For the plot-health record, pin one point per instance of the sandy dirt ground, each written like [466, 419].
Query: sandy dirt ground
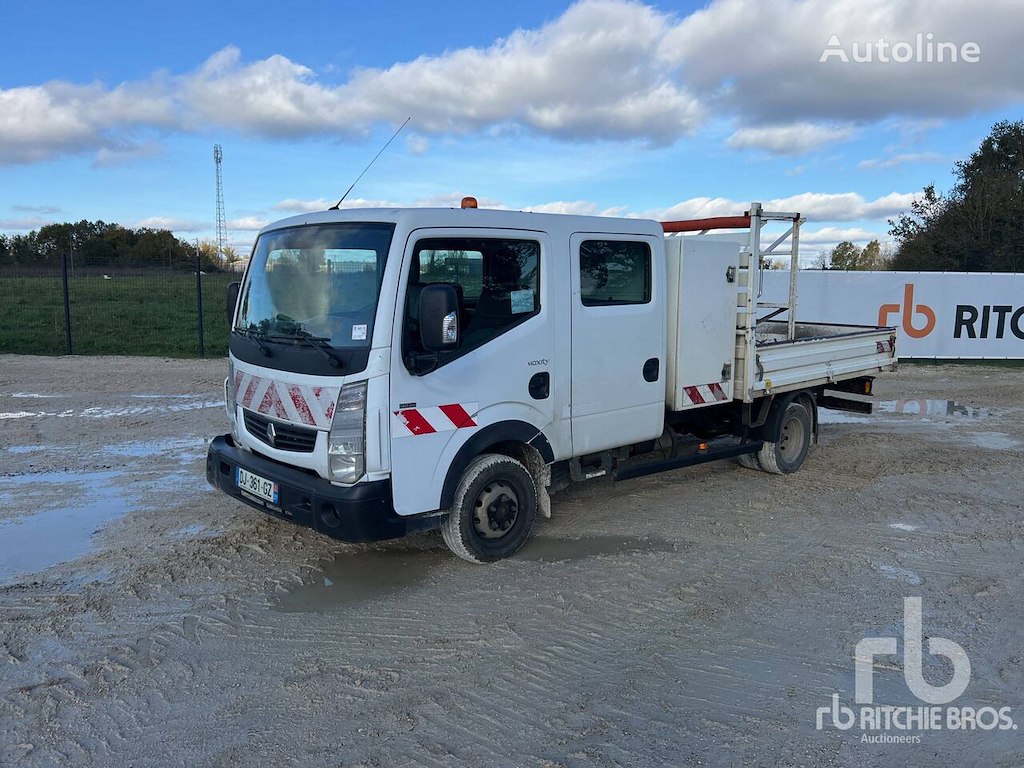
[698, 617]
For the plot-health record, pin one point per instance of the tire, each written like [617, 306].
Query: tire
[748, 460]
[493, 511]
[795, 432]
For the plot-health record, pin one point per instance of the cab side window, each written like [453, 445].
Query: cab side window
[497, 281]
[614, 272]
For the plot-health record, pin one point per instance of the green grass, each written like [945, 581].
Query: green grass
[125, 315]
[147, 315]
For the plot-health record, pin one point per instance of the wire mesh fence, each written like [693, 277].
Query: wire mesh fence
[79, 306]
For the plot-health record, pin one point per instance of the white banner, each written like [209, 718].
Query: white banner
[936, 314]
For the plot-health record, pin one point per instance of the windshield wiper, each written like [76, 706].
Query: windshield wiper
[321, 344]
[256, 336]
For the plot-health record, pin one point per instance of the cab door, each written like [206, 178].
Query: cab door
[618, 341]
[503, 369]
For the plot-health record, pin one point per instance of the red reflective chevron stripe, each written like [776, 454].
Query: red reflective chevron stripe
[457, 415]
[717, 391]
[301, 406]
[415, 422]
[694, 394]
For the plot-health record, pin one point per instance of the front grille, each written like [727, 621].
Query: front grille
[287, 437]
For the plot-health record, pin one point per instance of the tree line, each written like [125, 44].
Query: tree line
[977, 226]
[99, 244]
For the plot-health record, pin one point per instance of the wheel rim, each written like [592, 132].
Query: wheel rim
[496, 510]
[791, 440]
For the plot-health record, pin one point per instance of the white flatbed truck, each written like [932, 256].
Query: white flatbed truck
[402, 370]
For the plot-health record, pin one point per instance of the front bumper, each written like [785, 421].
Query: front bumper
[361, 512]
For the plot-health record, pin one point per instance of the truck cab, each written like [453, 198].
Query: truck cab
[348, 417]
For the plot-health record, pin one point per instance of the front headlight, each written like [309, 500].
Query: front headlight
[229, 400]
[347, 439]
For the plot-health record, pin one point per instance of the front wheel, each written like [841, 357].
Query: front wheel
[788, 453]
[493, 511]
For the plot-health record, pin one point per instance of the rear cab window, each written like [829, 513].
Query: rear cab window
[614, 272]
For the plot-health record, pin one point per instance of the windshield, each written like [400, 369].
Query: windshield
[318, 281]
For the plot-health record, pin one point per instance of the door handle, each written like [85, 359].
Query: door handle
[540, 386]
[652, 369]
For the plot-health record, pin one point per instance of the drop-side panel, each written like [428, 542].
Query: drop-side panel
[833, 353]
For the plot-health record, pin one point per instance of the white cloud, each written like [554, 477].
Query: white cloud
[417, 145]
[274, 97]
[590, 74]
[109, 157]
[24, 224]
[41, 122]
[819, 206]
[304, 206]
[36, 208]
[447, 200]
[904, 159]
[247, 223]
[814, 206]
[831, 236]
[577, 208]
[292, 205]
[615, 70]
[761, 60]
[167, 222]
[794, 139]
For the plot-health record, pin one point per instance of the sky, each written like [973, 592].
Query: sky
[664, 109]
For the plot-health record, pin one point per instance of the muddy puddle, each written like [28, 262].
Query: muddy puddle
[913, 409]
[358, 577]
[923, 413]
[52, 517]
[39, 539]
[896, 573]
[185, 449]
[119, 411]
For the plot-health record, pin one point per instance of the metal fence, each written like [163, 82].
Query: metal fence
[92, 309]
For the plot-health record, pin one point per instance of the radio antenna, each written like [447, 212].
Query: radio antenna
[393, 137]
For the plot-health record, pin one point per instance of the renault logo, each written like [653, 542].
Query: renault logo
[271, 433]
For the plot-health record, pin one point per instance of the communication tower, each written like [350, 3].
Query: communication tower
[222, 230]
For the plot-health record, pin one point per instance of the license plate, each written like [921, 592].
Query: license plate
[256, 485]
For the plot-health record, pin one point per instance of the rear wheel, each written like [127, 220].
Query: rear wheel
[748, 460]
[493, 511]
[788, 453]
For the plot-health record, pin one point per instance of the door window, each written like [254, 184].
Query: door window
[497, 281]
[614, 272]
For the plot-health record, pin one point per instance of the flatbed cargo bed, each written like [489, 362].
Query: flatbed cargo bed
[820, 353]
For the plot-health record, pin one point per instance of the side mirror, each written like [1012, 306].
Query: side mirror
[231, 300]
[439, 317]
